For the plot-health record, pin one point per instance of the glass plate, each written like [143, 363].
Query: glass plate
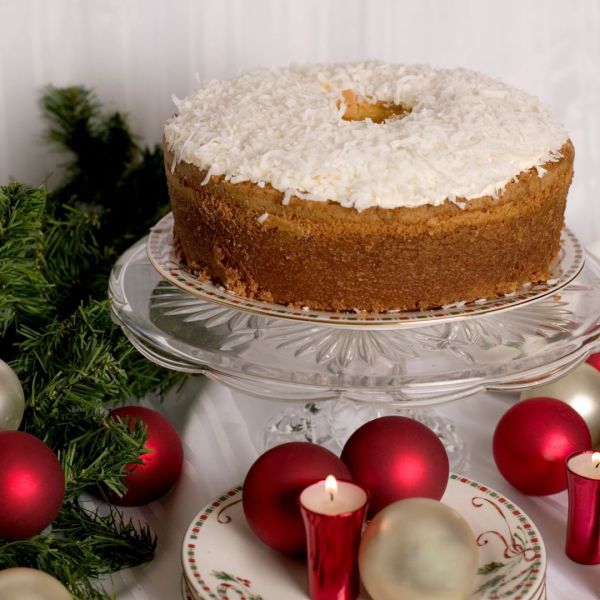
[223, 558]
[294, 360]
[161, 253]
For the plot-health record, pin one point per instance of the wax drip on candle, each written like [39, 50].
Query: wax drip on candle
[331, 486]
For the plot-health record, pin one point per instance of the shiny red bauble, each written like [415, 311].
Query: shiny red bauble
[32, 485]
[396, 458]
[532, 442]
[272, 487]
[160, 467]
[594, 360]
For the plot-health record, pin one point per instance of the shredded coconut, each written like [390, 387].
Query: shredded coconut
[467, 135]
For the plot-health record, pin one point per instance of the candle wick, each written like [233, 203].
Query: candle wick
[597, 465]
[331, 494]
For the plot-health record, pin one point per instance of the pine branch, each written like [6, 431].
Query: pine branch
[83, 545]
[132, 545]
[70, 112]
[108, 170]
[24, 291]
[149, 378]
[100, 453]
[70, 360]
[69, 237]
[141, 198]
[71, 369]
[84, 359]
[56, 252]
[101, 146]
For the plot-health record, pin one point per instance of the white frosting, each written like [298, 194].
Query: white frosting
[466, 136]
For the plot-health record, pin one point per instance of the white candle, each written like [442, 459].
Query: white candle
[586, 464]
[332, 497]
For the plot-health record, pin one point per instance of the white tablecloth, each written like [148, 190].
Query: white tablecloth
[219, 429]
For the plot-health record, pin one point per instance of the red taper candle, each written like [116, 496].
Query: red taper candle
[333, 513]
[583, 526]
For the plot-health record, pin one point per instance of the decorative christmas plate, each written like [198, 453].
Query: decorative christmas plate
[186, 591]
[222, 558]
[162, 255]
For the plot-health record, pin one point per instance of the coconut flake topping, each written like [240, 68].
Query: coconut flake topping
[467, 135]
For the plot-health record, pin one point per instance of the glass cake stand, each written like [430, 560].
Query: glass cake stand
[363, 369]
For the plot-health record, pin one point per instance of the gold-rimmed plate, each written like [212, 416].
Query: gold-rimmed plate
[161, 253]
[222, 558]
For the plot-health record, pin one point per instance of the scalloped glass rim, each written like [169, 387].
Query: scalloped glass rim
[296, 361]
[218, 547]
[162, 256]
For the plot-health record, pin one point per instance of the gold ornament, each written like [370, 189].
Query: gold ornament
[580, 389]
[418, 548]
[21, 583]
[12, 399]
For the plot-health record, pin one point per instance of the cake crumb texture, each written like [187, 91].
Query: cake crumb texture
[330, 257]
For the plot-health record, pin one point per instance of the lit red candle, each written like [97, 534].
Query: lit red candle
[583, 527]
[333, 513]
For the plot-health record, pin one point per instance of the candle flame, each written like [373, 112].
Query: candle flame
[331, 486]
[596, 459]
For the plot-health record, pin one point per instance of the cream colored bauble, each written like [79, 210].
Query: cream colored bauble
[418, 549]
[30, 584]
[580, 389]
[12, 399]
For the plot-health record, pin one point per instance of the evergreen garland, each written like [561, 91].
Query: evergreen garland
[56, 252]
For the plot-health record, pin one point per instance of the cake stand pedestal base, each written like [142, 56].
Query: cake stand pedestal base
[330, 423]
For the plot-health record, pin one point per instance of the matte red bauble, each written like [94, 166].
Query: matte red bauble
[32, 485]
[532, 442]
[594, 360]
[160, 467]
[397, 458]
[272, 487]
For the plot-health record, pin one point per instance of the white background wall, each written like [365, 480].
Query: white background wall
[136, 53]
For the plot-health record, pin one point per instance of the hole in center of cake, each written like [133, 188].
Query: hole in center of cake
[359, 108]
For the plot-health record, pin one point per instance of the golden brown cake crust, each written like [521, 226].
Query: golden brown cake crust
[325, 256]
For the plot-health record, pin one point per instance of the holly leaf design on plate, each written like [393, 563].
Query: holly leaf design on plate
[491, 583]
[233, 583]
[490, 568]
[223, 576]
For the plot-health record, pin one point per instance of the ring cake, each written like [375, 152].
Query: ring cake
[367, 186]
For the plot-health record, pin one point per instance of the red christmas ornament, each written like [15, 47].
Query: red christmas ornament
[32, 485]
[160, 467]
[594, 360]
[532, 442]
[272, 487]
[397, 458]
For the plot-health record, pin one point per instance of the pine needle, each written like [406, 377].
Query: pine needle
[24, 291]
[81, 547]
